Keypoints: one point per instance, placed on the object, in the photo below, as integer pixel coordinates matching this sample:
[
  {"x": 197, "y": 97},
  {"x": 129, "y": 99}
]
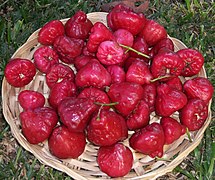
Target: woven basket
[{"x": 86, "y": 167}]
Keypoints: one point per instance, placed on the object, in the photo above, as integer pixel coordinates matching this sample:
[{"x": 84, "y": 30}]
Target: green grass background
[{"x": 191, "y": 21}]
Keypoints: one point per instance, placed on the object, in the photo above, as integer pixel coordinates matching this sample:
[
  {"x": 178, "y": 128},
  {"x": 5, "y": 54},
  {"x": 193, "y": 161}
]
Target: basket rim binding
[{"x": 57, "y": 164}]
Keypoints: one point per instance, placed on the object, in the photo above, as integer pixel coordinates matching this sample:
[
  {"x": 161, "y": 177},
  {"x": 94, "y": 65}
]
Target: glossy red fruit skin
[
  {"x": 166, "y": 64},
  {"x": 37, "y": 124},
  {"x": 29, "y": 99},
  {"x": 68, "y": 48},
  {"x": 138, "y": 72},
  {"x": 59, "y": 72},
  {"x": 130, "y": 60},
  {"x": 149, "y": 140},
  {"x": 149, "y": 95},
  {"x": 194, "y": 114},
  {"x": 124, "y": 37},
  {"x": 173, "y": 130},
  {"x": 139, "y": 117},
  {"x": 193, "y": 61},
  {"x": 175, "y": 83},
  {"x": 141, "y": 46},
  {"x": 82, "y": 60},
  {"x": 117, "y": 73},
  {"x": 44, "y": 58},
  {"x": 153, "y": 32},
  {"x": 19, "y": 72},
  {"x": 50, "y": 31},
  {"x": 110, "y": 53},
  {"x": 127, "y": 94},
  {"x": 60, "y": 91},
  {"x": 93, "y": 74},
  {"x": 169, "y": 100},
  {"x": 65, "y": 144},
  {"x": 122, "y": 17},
  {"x": 78, "y": 26},
  {"x": 98, "y": 33},
  {"x": 199, "y": 87},
  {"x": 115, "y": 160},
  {"x": 109, "y": 129},
  {"x": 165, "y": 43},
  {"x": 96, "y": 95},
  {"x": 75, "y": 112}
]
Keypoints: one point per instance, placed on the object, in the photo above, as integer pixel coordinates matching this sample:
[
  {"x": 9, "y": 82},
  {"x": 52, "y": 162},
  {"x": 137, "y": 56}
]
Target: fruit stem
[
  {"x": 134, "y": 50},
  {"x": 188, "y": 134},
  {"x": 108, "y": 104},
  {"x": 162, "y": 159},
  {"x": 159, "y": 78}
]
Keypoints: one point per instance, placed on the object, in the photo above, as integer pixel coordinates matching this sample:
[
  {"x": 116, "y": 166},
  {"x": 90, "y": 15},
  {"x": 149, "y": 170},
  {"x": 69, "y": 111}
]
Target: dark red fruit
[
  {"x": 169, "y": 100},
  {"x": 68, "y": 48},
  {"x": 193, "y": 61},
  {"x": 175, "y": 83},
  {"x": 149, "y": 140},
  {"x": 75, "y": 112},
  {"x": 98, "y": 33},
  {"x": 44, "y": 58},
  {"x": 93, "y": 74},
  {"x": 138, "y": 72},
  {"x": 153, "y": 32},
  {"x": 199, "y": 87},
  {"x": 117, "y": 73},
  {"x": 60, "y": 91},
  {"x": 50, "y": 31},
  {"x": 78, "y": 26},
  {"x": 66, "y": 144},
  {"x": 122, "y": 17},
  {"x": 106, "y": 128},
  {"x": 173, "y": 130},
  {"x": 57, "y": 73},
  {"x": 139, "y": 117},
  {"x": 127, "y": 94},
  {"x": 82, "y": 60},
  {"x": 19, "y": 72},
  {"x": 29, "y": 99},
  {"x": 37, "y": 124},
  {"x": 124, "y": 37},
  {"x": 115, "y": 160},
  {"x": 194, "y": 114}
]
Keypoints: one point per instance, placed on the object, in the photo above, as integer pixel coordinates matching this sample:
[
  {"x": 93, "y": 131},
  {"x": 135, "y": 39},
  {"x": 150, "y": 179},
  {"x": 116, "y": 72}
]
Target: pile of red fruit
[{"x": 123, "y": 73}]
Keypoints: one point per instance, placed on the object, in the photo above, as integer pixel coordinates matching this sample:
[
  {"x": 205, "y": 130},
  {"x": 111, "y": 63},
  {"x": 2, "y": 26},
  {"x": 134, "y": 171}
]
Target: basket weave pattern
[{"x": 86, "y": 167}]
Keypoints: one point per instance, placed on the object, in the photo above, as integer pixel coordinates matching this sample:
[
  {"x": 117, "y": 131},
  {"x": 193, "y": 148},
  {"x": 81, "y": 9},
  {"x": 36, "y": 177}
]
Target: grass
[{"x": 191, "y": 21}]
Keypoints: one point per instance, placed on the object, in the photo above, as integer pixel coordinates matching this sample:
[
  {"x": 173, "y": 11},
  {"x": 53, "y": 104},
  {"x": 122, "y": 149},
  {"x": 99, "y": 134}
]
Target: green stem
[
  {"x": 159, "y": 78},
  {"x": 134, "y": 50},
  {"x": 188, "y": 135},
  {"x": 108, "y": 104}
]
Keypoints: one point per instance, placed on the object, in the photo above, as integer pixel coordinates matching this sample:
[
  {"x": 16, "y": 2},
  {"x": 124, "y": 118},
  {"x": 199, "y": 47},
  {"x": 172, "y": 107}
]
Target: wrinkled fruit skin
[
  {"x": 106, "y": 128},
  {"x": 60, "y": 91},
  {"x": 78, "y": 26},
  {"x": 82, "y": 60},
  {"x": 194, "y": 114},
  {"x": 59, "y": 72},
  {"x": 199, "y": 87},
  {"x": 44, "y": 58},
  {"x": 115, "y": 160},
  {"x": 193, "y": 61},
  {"x": 169, "y": 100},
  {"x": 98, "y": 33},
  {"x": 29, "y": 99},
  {"x": 19, "y": 72},
  {"x": 75, "y": 113},
  {"x": 166, "y": 64},
  {"x": 127, "y": 94},
  {"x": 175, "y": 83},
  {"x": 153, "y": 32},
  {"x": 122, "y": 17},
  {"x": 149, "y": 140},
  {"x": 38, "y": 124},
  {"x": 117, "y": 73},
  {"x": 68, "y": 48},
  {"x": 93, "y": 74},
  {"x": 139, "y": 117},
  {"x": 110, "y": 53},
  {"x": 50, "y": 31},
  {"x": 66, "y": 144},
  {"x": 173, "y": 130}
]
